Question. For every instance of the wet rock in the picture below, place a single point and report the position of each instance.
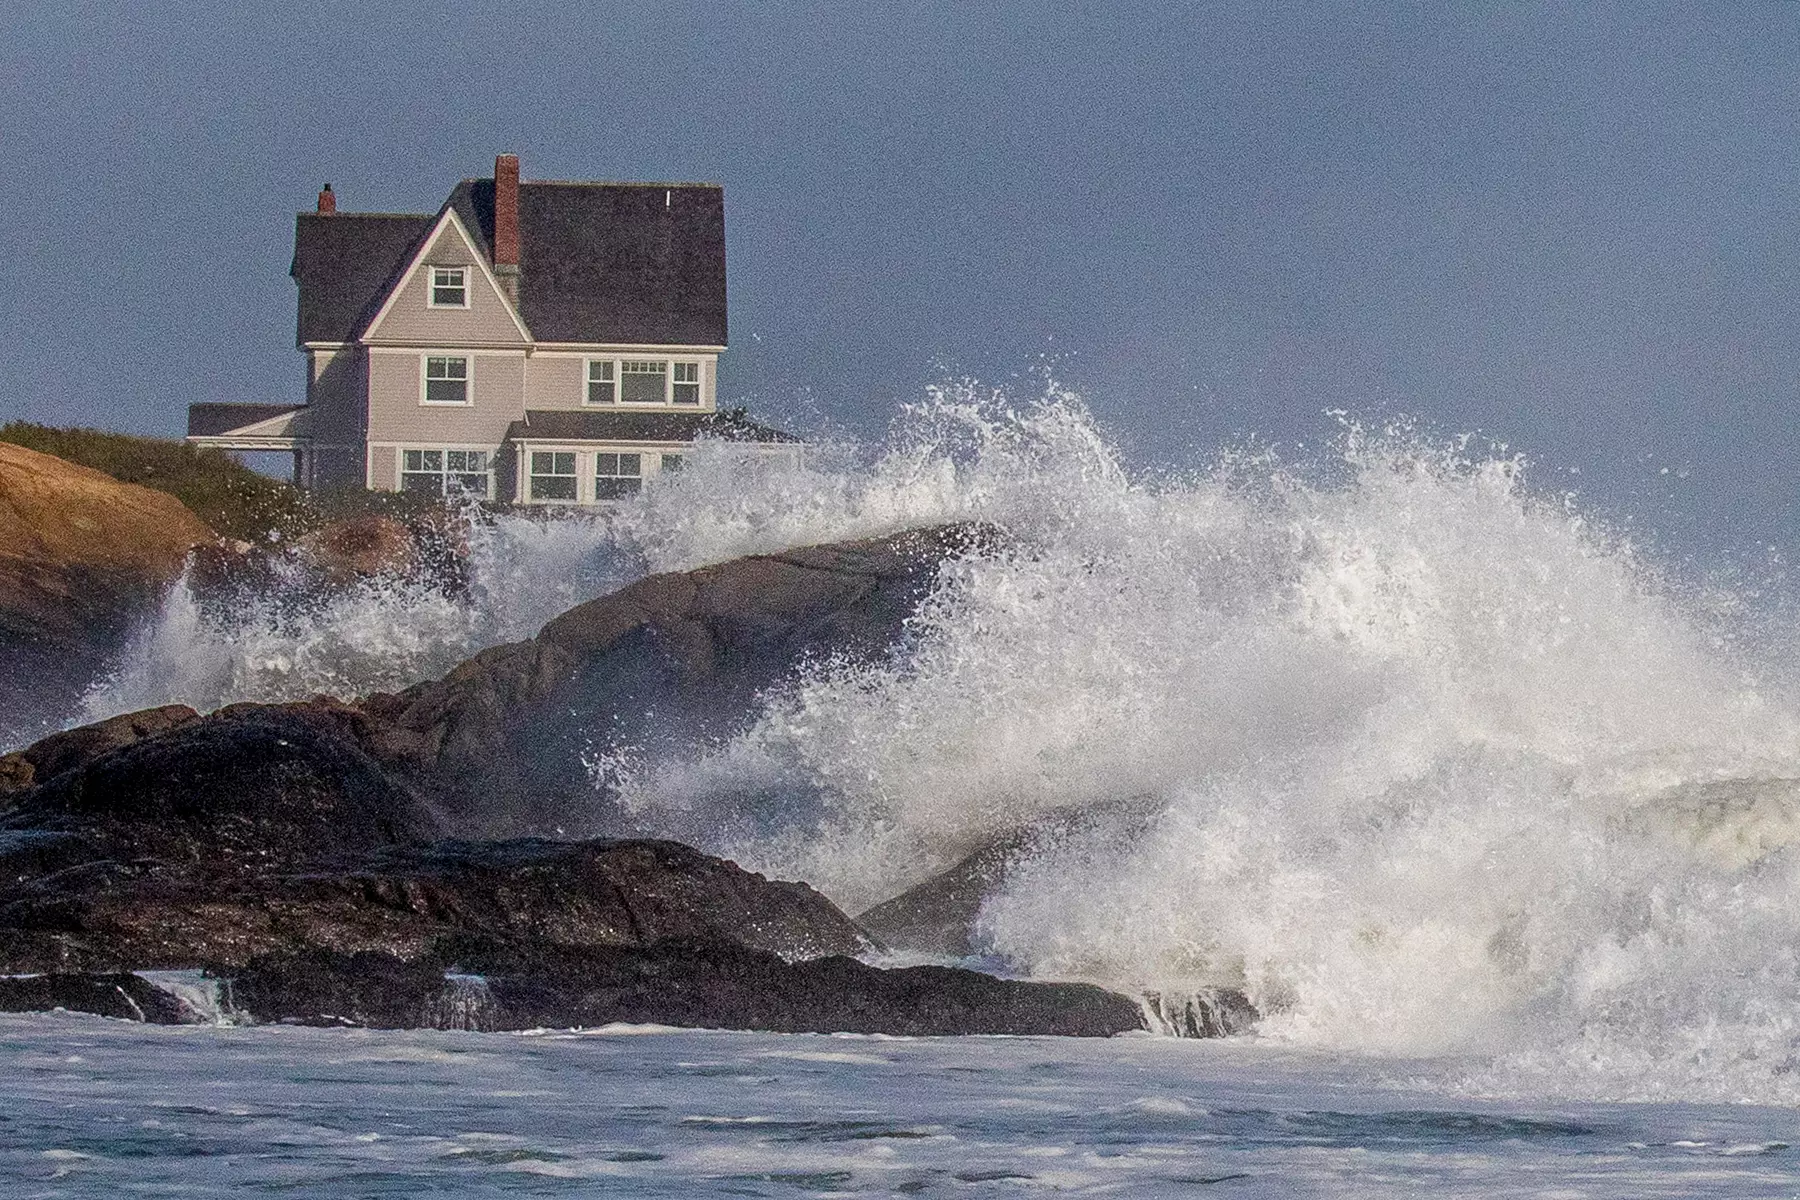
(248, 789)
(121, 995)
(938, 916)
(524, 985)
(507, 738)
(65, 904)
(51, 756)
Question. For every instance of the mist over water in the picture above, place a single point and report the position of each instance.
(1425, 761)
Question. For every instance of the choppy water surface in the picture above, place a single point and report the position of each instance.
(104, 1108)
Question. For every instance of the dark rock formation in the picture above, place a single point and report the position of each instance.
(671, 660)
(122, 995)
(299, 850)
(706, 984)
(938, 915)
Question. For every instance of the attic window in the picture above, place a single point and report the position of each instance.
(449, 287)
(644, 382)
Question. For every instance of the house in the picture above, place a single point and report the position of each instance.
(539, 342)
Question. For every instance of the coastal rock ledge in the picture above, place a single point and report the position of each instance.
(309, 864)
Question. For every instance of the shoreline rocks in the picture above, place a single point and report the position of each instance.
(303, 853)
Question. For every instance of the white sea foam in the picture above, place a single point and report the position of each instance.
(1421, 759)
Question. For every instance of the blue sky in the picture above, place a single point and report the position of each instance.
(1575, 229)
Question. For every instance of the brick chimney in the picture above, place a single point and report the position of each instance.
(327, 201)
(506, 224)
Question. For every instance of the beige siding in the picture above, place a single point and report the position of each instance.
(382, 473)
(709, 383)
(486, 322)
(555, 381)
(397, 415)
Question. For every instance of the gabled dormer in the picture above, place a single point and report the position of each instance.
(446, 295)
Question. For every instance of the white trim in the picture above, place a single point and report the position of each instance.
(431, 285)
(415, 444)
(323, 345)
(418, 259)
(225, 442)
(468, 348)
(602, 349)
(468, 380)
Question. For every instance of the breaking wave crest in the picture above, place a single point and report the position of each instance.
(1419, 759)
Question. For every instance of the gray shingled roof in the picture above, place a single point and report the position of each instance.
(345, 263)
(572, 425)
(636, 263)
(628, 263)
(211, 420)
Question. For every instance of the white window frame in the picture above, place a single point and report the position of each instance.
(401, 471)
(594, 471)
(587, 379)
(431, 284)
(531, 473)
(672, 365)
(468, 361)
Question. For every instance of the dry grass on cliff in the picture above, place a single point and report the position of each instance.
(235, 501)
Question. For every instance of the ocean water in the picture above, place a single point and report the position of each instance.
(1434, 764)
(106, 1108)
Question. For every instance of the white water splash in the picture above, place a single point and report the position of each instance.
(1423, 762)
(1420, 760)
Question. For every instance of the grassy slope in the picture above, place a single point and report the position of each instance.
(231, 498)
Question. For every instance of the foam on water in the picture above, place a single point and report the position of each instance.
(1422, 760)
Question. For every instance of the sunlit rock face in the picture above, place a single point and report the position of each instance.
(82, 556)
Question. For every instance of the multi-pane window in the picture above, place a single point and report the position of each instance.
(445, 472)
(446, 380)
(553, 475)
(686, 387)
(641, 381)
(449, 287)
(602, 385)
(644, 381)
(617, 475)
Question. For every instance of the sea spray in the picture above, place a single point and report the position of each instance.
(1434, 763)
(1419, 759)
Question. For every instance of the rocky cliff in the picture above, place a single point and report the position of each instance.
(81, 557)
